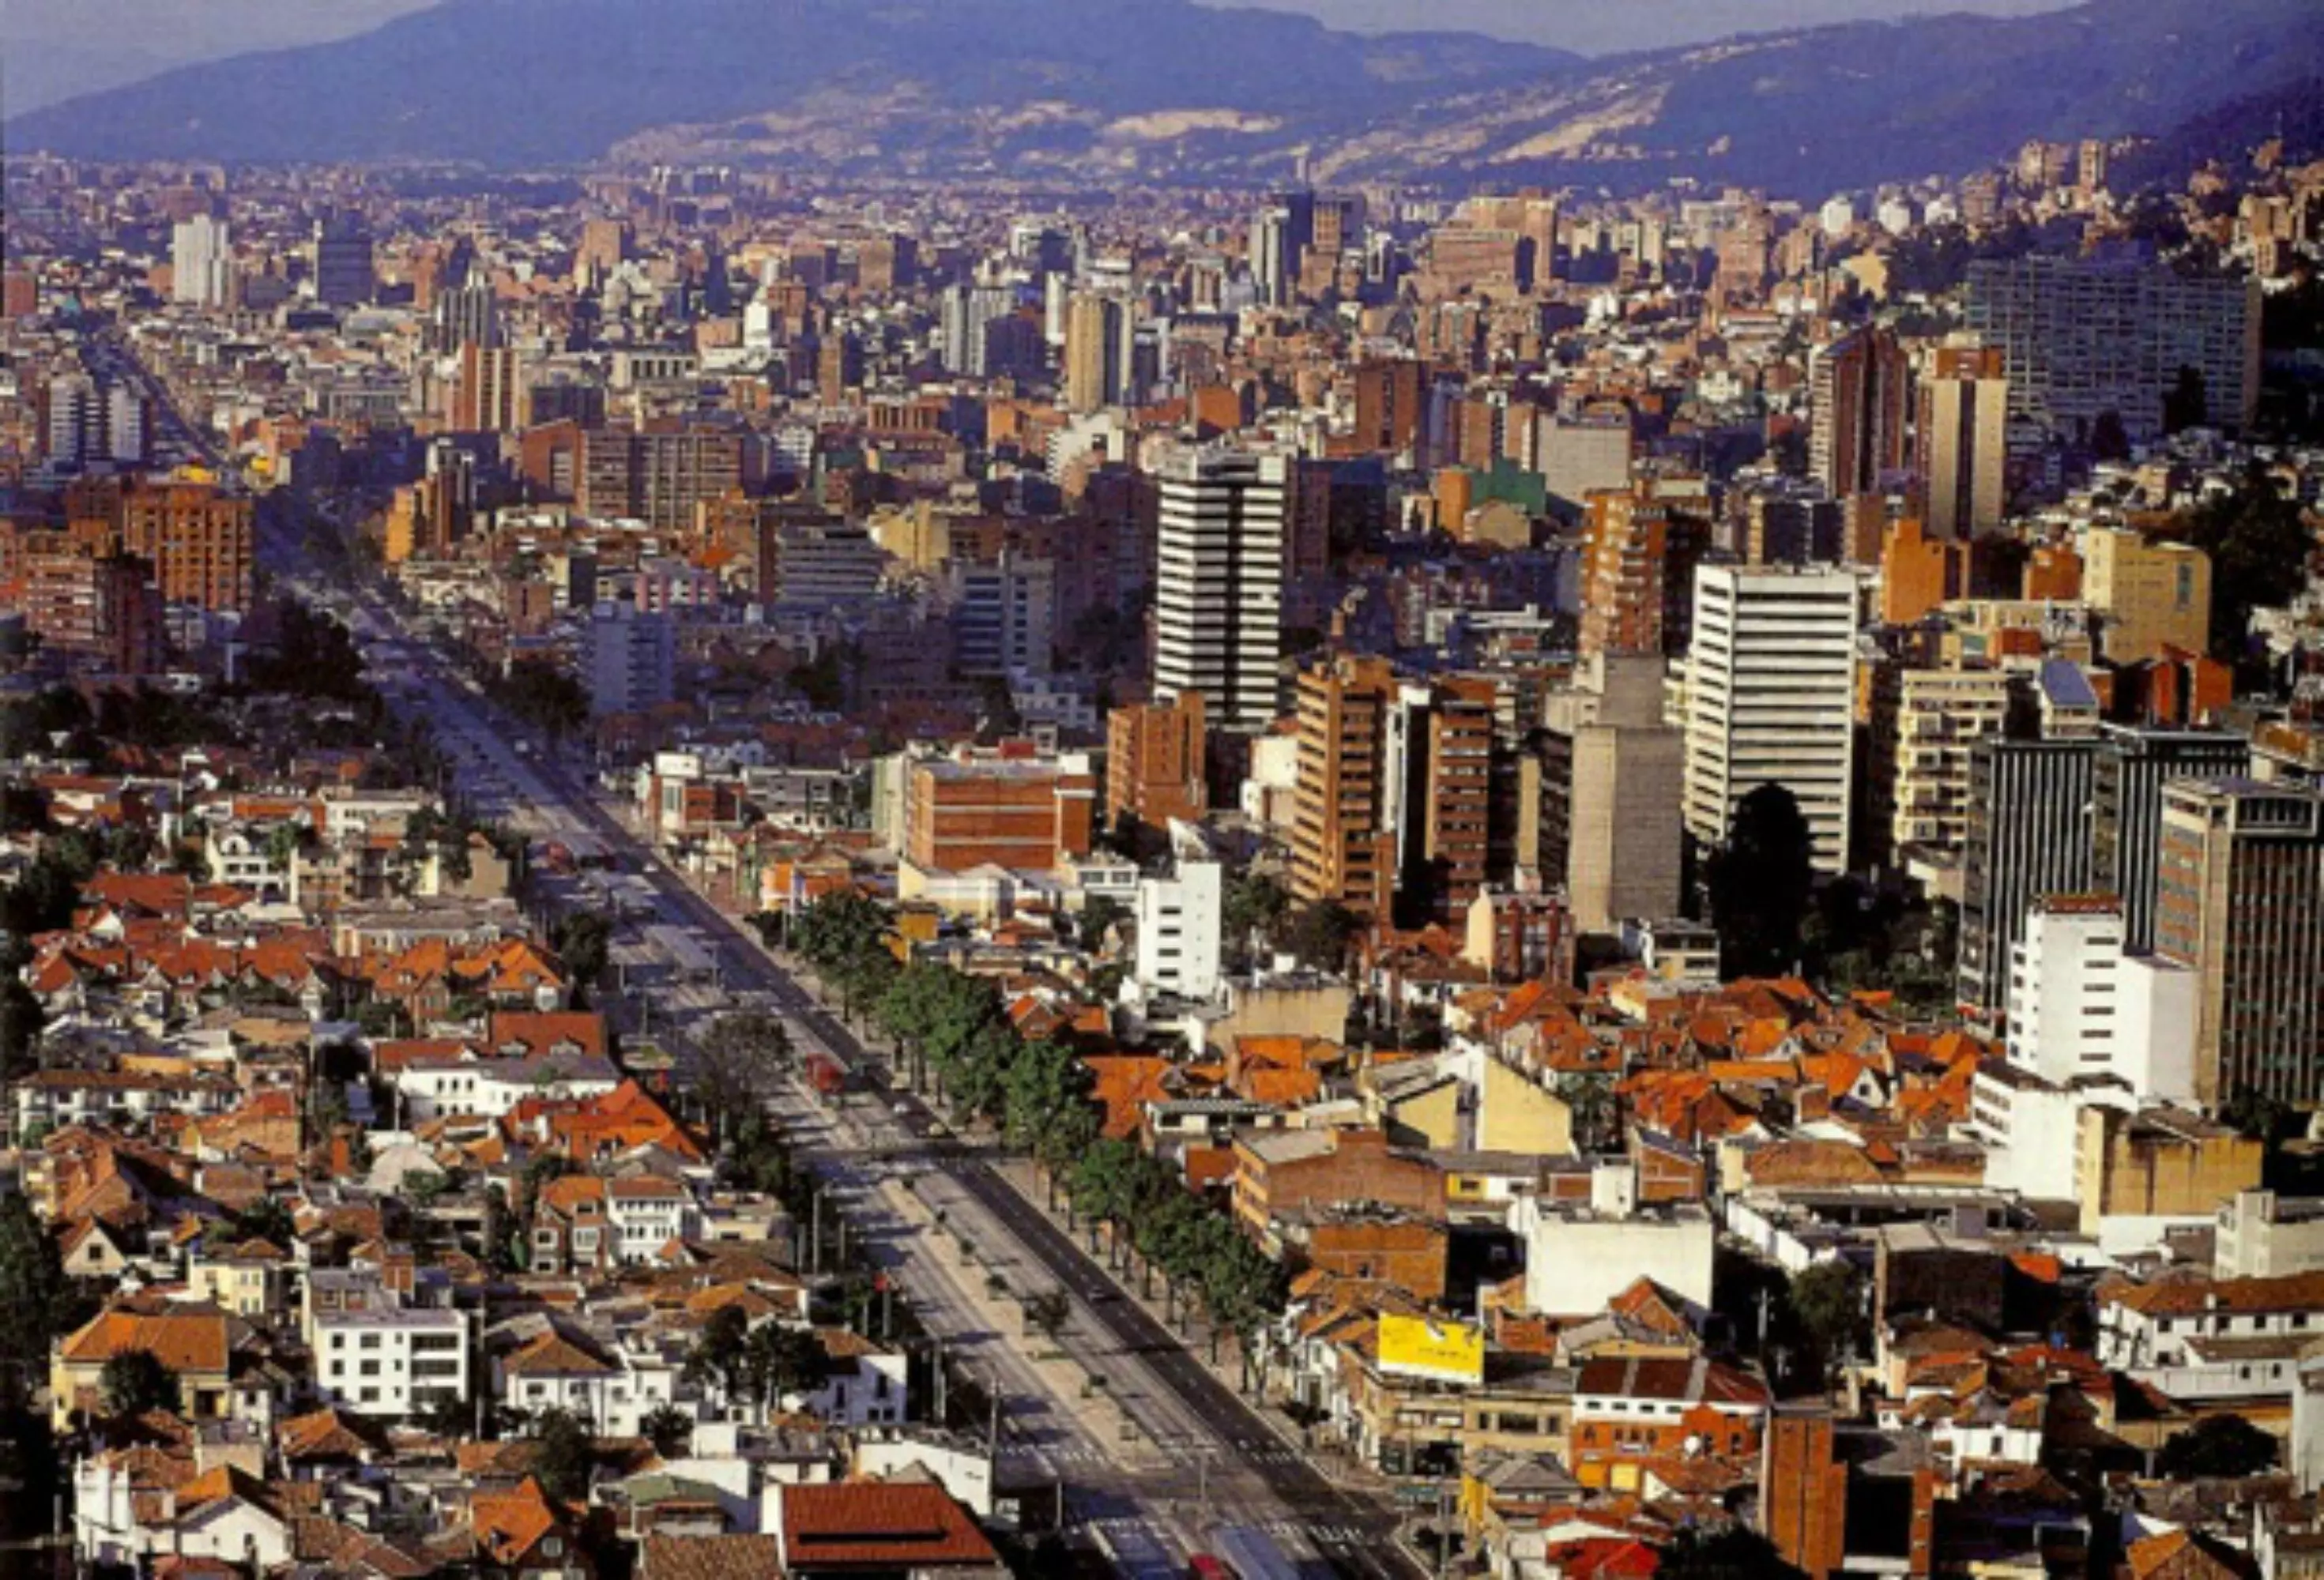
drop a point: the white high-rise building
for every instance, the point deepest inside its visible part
(1271, 255)
(201, 262)
(1178, 932)
(1219, 589)
(1770, 692)
(2081, 1006)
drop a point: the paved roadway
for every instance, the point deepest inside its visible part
(1200, 1455)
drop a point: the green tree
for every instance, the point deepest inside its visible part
(1827, 1302)
(24, 809)
(563, 1454)
(267, 1218)
(584, 941)
(2217, 1445)
(36, 1300)
(976, 1082)
(839, 926)
(1099, 915)
(1251, 912)
(783, 1360)
(47, 889)
(1046, 1311)
(1044, 1082)
(936, 1013)
(1597, 1112)
(429, 833)
(669, 1428)
(1320, 934)
(545, 696)
(1104, 1185)
(22, 1022)
(447, 1416)
(739, 1060)
(135, 1382)
(2259, 545)
(718, 1358)
(844, 936)
(1760, 883)
(2256, 1115)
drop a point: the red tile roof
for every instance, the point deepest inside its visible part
(871, 1524)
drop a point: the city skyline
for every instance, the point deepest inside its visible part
(1116, 790)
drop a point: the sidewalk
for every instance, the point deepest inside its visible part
(1018, 1174)
(1020, 1177)
(1097, 1411)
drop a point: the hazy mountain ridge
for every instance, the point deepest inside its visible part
(1162, 90)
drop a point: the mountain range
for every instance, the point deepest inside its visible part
(1156, 90)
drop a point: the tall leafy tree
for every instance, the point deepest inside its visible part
(739, 1060)
(2218, 1445)
(669, 1428)
(936, 1012)
(22, 1022)
(563, 1454)
(1104, 1183)
(584, 941)
(2260, 548)
(35, 1297)
(135, 1382)
(1761, 880)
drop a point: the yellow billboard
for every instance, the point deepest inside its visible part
(1439, 1351)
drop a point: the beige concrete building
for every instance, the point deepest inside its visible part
(1960, 450)
(1939, 715)
(2157, 1163)
(2146, 595)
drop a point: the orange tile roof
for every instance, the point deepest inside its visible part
(864, 1524)
(183, 1341)
(509, 1525)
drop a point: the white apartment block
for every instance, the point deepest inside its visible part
(2080, 1006)
(2029, 1125)
(1770, 693)
(391, 1362)
(1178, 932)
(2261, 1234)
(1219, 587)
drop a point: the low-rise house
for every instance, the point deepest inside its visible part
(646, 1213)
(612, 1387)
(860, 1529)
(523, 1533)
(1629, 1412)
(247, 1279)
(50, 1100)
(195, 1342)
(573, 1228)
